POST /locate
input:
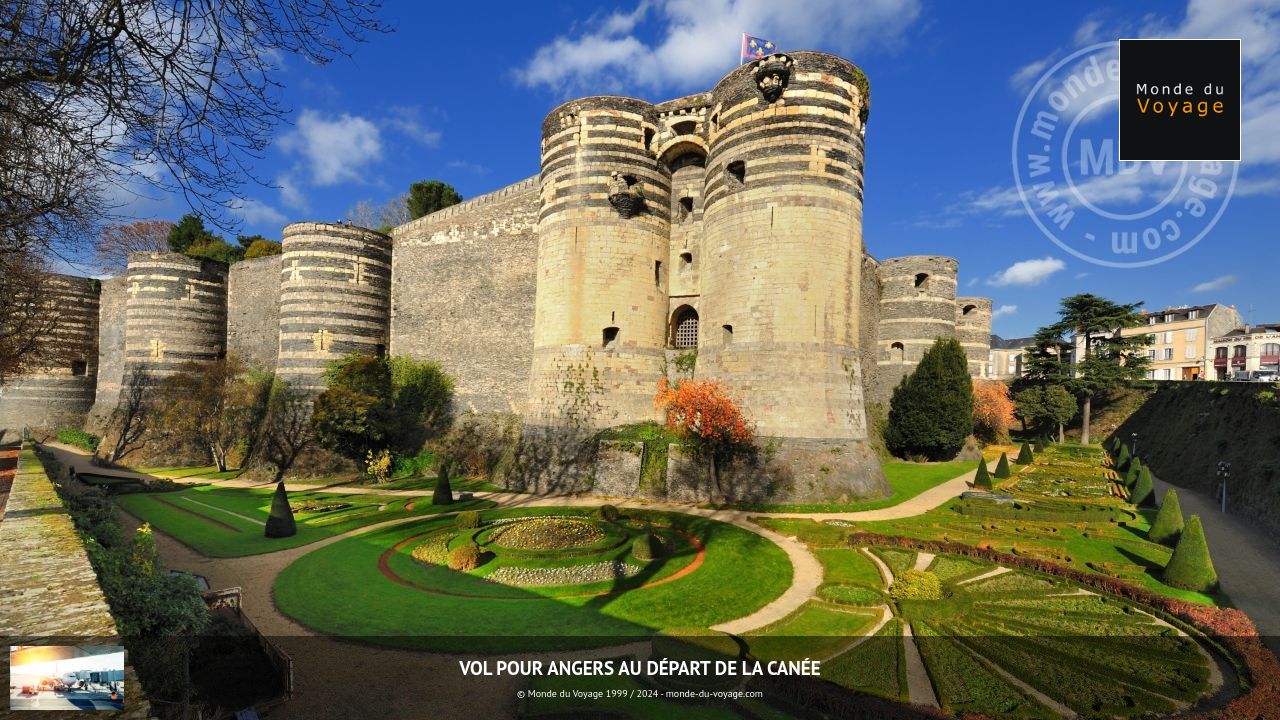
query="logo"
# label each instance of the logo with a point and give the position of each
(1082, 196)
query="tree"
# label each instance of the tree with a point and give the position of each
(1168, 524)
(982, 480)
(187, 232)
(1190, 566)
(707, 418)
(1024, 454)
(210, 404)
(428, 196)
(1131, 475)
(1143, 488)
(931, 411)
(1002, 467)
(1108, 357)
(443, 494)
(30, 317)
(115, 242)
(382, 218)
(287, 427)
(421, 394)
(1045, 407)
(280, 522)
(130, 418)
(992, 410)
(262, 248)
(179, 97)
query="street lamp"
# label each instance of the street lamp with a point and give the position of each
(1133, 450)
(1224, 474)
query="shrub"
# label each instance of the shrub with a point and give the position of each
(262, 248)
(1024, 454)
(378, 465)
(982, 480)
(467, 520)
(992, 410)
(1042, 443)
(916, 585)
(1131, 476)
(280, 522)
(434, 550)
(608, 513)
(79, 438)
(444, 491)
(1168, 523)
(1143, 489)
(1122, 458)
(647, 547)
(931, 412)
(465, 557)
(1190, 566)
(1002, 467)
(404, 466)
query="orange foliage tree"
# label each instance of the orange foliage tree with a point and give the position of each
(992, 410)
(708, 419)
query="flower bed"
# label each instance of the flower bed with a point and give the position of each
(547, 534)
(568, 575)
(316, 506)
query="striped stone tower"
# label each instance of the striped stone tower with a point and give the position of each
(335, 298)
(603, 244)
(175, 311)
(782, 224)
(59, 392)
(917, 306)
(973, 330)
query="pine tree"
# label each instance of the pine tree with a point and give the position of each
(1002, 467)
(931, 412)
(1024, 455)
(1143, 489)
(444, 492)
(1190, 566)
(1168, 523)
(280, 523)
(982, 480)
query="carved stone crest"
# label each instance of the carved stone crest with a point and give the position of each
(625, 195)
(772, 75)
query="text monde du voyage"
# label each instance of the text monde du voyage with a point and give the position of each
(1179, 99)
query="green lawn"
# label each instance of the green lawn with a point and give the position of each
(332, 589)
(907, 480)
(229, 522)
(208, 472)
(817, 630)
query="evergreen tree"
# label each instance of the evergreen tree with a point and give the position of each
(1002, 467)
(444, 492)
(428, 196)
(1190, 566)
(280, 522)
(1143, 489)
(1168, 523)
(1024, 454)
(931, 412)
(188, 231)
(982, 480)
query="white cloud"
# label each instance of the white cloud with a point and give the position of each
(335, 149)
(1027, 272)
(408, 120)
(469, 167)
(256, 212)
(1004, 310)
(291, 192)
(698, 40)
(1081, 275)
(1217, 283)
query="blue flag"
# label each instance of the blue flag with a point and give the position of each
(754, 48)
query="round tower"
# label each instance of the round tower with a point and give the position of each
(782, 229)
(60, 390)
(175, 311)
(973, 330)
(917, 306)
(335, 298)
(603, 252)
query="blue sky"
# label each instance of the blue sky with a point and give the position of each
(459, 90)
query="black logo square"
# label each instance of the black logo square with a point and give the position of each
(1180, 100)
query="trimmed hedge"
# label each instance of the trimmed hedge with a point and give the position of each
(608, 513)
(647, 547)
(982, 480)
(1190, 566)
(280, 523)
(1024, 455)
(79, 438)
(1143, 489)
(465, 557)
(443, 494)
(1167, 526)
(1002, 467)
(467, 520)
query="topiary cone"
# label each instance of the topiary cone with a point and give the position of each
(280, 522)
(1167, 526)
(982, 481)
(444, 492)
(1002, 467)
(1143, 489)
(1122, 459)
(1024, 454)
(1190, 567)
(1131, 475)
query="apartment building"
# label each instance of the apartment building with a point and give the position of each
(1179, 339)
(1245, 350)
(1006, 357)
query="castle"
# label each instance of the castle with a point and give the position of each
(727, 223)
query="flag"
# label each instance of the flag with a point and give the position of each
(754, 48)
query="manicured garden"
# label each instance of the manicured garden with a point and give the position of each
(230, 522)
(906, 480)
(534, 581)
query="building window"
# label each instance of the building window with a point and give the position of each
(1220, 353)
(897, 352)
(648, 138)
(686, 259)
(1168, 354)
(726, 334)
(1151, 320)
(686, 208)
(79, 367)
(1271, 349)
(657, 273)
(1193, 315)
(684, 128)
(1168, 337)
(610, 337)
(380, 350)
(1191, 351)
(684, 327)
(735, 174)
(1168, 318)
(1151, 354)
(968, 309)
(1192, 334)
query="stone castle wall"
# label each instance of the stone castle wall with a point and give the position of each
(917, 306)
(253, 311)
(111, 332)
(175, 312)
(973, 330)
(462, 295)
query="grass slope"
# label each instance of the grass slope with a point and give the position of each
(907, 480)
